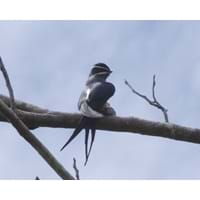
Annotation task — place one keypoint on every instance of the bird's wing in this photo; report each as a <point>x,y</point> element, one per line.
<point>99,95</point>
<point>82,99</point>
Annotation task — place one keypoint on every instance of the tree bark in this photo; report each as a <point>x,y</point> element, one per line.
<point>35,117</point>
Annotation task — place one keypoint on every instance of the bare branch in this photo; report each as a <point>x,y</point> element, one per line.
<point>8,84</point>
<point>153,88</point>
<point>22,129</point>
<point>23,105</point>
<point>154,103</point>
<point>157,104</point>
<point>35,143</point>
<point>54,119</point>
<point>76,169</point>
<point>137,93</point>
<point>119,124</point>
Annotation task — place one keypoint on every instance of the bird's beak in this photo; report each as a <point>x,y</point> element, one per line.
<point>110,72</point>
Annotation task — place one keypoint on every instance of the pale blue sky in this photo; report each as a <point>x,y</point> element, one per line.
<point>48,63</point>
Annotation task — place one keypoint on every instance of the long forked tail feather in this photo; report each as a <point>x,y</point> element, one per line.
<point>81,125</point>
<point>93,131</point>
<point>86,142</point>
<point>87,124</point>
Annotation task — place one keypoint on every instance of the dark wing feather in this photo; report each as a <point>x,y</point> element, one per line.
<point>100,94</point>
<point>81,125</point>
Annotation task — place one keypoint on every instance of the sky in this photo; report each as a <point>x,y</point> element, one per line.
<point>48,63</point>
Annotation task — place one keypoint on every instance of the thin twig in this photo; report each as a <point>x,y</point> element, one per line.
<point>76,169</point>
<point>8,84</point>
<point>153,102</point>
<point>153,87</point>
<point>157,104</point>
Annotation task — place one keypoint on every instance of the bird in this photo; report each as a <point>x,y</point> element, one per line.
<point>93,104</point>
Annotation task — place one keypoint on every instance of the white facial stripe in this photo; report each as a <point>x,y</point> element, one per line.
<point>101,73</point>
<point>100,67</point>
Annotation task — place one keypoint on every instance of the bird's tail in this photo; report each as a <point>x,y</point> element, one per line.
<point>81,125</point>
<point>93,131</point>
<point>87,124</point>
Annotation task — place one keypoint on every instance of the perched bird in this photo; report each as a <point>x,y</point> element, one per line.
<point>93,104</point>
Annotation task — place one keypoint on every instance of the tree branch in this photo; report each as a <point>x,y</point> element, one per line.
<point>35,143</point>
<point>76,169</point>
<point>23,105</point>
<point>119,124</point>
<point>8,84</point>
<point>155,102</point>
<point>23,130</point>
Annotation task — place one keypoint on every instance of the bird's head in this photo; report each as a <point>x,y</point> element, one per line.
<point>100,71</point>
